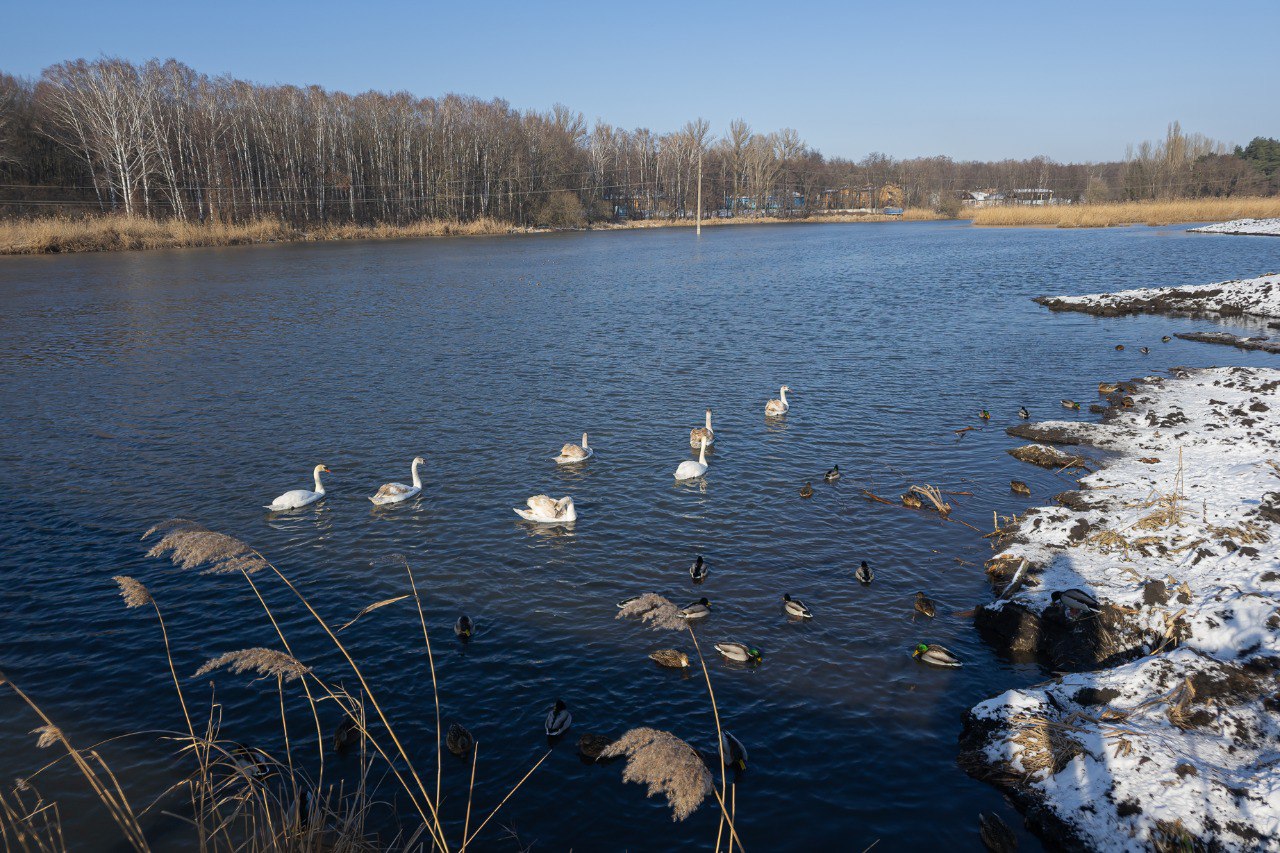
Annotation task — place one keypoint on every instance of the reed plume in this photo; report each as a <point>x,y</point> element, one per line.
<point>265,662</point>
<point>667,765</point>
<point>133,592</point>
<point>190,545</point>
<point>654,610</point>
<point>49,734</point>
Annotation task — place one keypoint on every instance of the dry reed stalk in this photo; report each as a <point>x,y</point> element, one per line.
<point>715,710</point>
<point>377,605</point>
<point>265,662</point>
<point>467,840</point>
<point>667,765</point>
<point>189,545</point>
<point>431,661</point>
<point>1129,213</point>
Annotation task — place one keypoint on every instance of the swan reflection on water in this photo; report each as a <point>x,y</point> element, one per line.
<point>309,519</point>
<point>536,529</point>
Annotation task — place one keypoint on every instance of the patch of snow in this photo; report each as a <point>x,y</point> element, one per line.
<point>1259,227</point>
<point>1253,296</point>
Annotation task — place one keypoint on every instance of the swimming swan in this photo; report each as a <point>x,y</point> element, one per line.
<point>547,510</point>
<point>394,493</point>
<point>698,433</point>
<point>300,497</point>
<point>779,406</point>
<point>688,469</point>
<point>571,453</point>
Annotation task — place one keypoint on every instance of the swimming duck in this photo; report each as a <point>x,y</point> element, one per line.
<point>984,414</point>
<point>912,500</point>
<point>1126,402</point>
<point>864,573</point>
<point>924,605</point>
<point>795,607</point>
<point>1023,413</point>
<point>1105,388</point>
<point>1019,488</point>
<point>806,491</point>
<point>1144,350</point>
<point>300,497</point>
<point>773,408</point>
<point>1075,603</point>
<point>558,719</point>
<point>832,475</point>
<point>734,753</point>
<point>464,627</point>
<point>935,654</point>
<point>670,658</point>
<point>1071,404</point>
<point>699,609</point>
<point>394,493</point>
<point>996,834</point>
<point>698,571</point>
<point>1119,347</point>
<point>459,741</point>
<point>590,746</point>
<point>348,732</point>
<point>251,761</point>
<point>572,453</point>
<point>698,433</point>
<point>545,510</point>
<point>740,652</point>
<point>1165,339</point>
<point>688,469</point>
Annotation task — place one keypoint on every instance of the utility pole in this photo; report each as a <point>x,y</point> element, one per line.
<point>698,215</point>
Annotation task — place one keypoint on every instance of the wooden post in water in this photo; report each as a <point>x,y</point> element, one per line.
<point>698,215</point>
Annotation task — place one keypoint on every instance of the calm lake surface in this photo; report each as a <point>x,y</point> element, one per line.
<point>203,383</point>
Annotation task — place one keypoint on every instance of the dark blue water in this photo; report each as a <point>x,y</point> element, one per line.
<point>202,383</point>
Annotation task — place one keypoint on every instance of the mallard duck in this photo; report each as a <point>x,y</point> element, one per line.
<point>1126,402</point>
<point>1019,488</point>
<point>671,658</point>
<point>299,498</point>
<point>1165,339</point>
<point>348,732</point>
<point>733,752</point>
<point>624,602</point>
<point>794,607</point>
<point>739,652</point>
<point>591,746</point>
<point>1023,413</point>
<point>996,834</point>
<point>697,610</point>
<point>1119,347</point>
<point>545,510</point>
<point>689,469</point>
<point>912,500</point>
<point>832,475</point>
<point>806,491</point>
<point>1071,404</point>
<point>924,605</point>
<point>464,627</point>
<point>558,719</point>
<point>1075,602</point>
<point>459,741</point>
<point>698,571</point>
<point>697,434</point>
<point>777,407</point>
<point>1105,388</point>
<point>394,493</point>
<point>984,414</point>
<point>251,761</point>
<point>935,654</point>
<point>864,573</point>
<point>1144,350</point>
<point>572,453</point>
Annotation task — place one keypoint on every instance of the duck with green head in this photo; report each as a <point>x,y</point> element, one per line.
<point>935,654</point>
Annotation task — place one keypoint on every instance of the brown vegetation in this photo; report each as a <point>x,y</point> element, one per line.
<point>1129,213</point>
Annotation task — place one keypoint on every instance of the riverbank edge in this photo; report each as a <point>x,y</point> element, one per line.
<point>53,235</point>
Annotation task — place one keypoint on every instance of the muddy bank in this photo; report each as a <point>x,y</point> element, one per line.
<point>1228,339</point>
<point>1254,297</point>
<point>1163,733</point>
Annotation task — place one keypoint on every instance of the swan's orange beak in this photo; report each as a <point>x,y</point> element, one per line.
<point>326,469</point>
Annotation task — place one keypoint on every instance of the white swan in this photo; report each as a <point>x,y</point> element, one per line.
<point>394,493</point>
<point>689,469</point>
<point>300,497</point>
<point>571,453</point>
<point>698,433</point>
<point>547,510</point>
<point>777,407</point>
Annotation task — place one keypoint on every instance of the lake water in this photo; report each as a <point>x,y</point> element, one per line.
<point>202,383</point>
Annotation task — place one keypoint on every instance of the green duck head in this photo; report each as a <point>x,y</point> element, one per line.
<point>919,650</point>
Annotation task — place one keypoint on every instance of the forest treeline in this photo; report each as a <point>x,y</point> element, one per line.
<point>163,140</point>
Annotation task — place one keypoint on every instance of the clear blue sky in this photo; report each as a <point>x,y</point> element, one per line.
<point>1072,80</point>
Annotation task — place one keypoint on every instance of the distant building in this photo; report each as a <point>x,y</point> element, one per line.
<point>1031,196</point>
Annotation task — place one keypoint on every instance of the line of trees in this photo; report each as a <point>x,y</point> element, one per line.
<point>162,140</point>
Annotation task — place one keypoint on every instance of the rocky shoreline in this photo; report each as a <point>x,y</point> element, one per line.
<point>1254,297</point>
<point>1165,730</point>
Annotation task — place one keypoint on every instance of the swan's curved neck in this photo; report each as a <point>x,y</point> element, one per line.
<point>584,441</point>
<point>319,485</point>
<point>708,420</point>
<point>417,481</point>
<point>782,394</point>
<point>702,454</point>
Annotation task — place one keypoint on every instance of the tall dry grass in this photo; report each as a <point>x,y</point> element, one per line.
<point>1127,213</point>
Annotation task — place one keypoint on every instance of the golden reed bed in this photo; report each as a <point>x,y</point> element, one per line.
<point>1127,213</point>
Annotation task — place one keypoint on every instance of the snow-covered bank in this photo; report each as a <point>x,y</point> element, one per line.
<point>1177,539</point>
<point>1257,297</point>
<point>1258,227</point>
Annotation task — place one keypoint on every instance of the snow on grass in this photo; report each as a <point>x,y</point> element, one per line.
<point>1179,538</point>
<point>1251,296</point>
<point>1261,227</point>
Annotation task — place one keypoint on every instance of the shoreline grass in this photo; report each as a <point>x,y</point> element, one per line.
<point>1126,213</point>
<point>110,233</point>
